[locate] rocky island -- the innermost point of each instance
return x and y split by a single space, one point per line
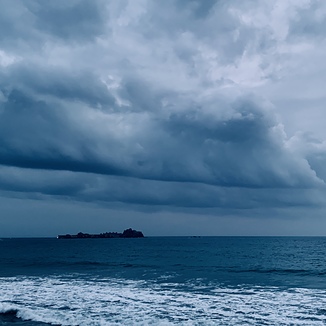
128 233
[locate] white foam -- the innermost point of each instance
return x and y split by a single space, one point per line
126 302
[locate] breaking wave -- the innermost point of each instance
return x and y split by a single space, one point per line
108 301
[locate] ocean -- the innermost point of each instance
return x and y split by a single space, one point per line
163 281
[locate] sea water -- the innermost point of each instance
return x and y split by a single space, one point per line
163 281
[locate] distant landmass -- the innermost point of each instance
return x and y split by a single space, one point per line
128 233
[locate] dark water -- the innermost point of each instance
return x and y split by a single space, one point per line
164 281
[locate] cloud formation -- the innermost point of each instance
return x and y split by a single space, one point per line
166 104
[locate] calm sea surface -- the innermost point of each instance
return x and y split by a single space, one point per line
163 281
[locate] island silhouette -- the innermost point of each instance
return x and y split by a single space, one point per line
128 233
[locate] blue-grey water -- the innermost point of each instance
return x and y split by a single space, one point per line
163 281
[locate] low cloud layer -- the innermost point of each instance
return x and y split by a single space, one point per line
167 105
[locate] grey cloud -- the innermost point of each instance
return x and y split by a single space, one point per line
201 28
156 195
192 146
73 20
34 182
199 9
31 21
12 34
58 83
152 111
32 132
140 95
313 149
310 21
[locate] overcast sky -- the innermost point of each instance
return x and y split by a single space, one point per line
174 117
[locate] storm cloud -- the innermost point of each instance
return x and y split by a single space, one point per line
172 105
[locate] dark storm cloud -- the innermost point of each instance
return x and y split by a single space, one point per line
147 104
146 193
58 83
33 133
185 147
